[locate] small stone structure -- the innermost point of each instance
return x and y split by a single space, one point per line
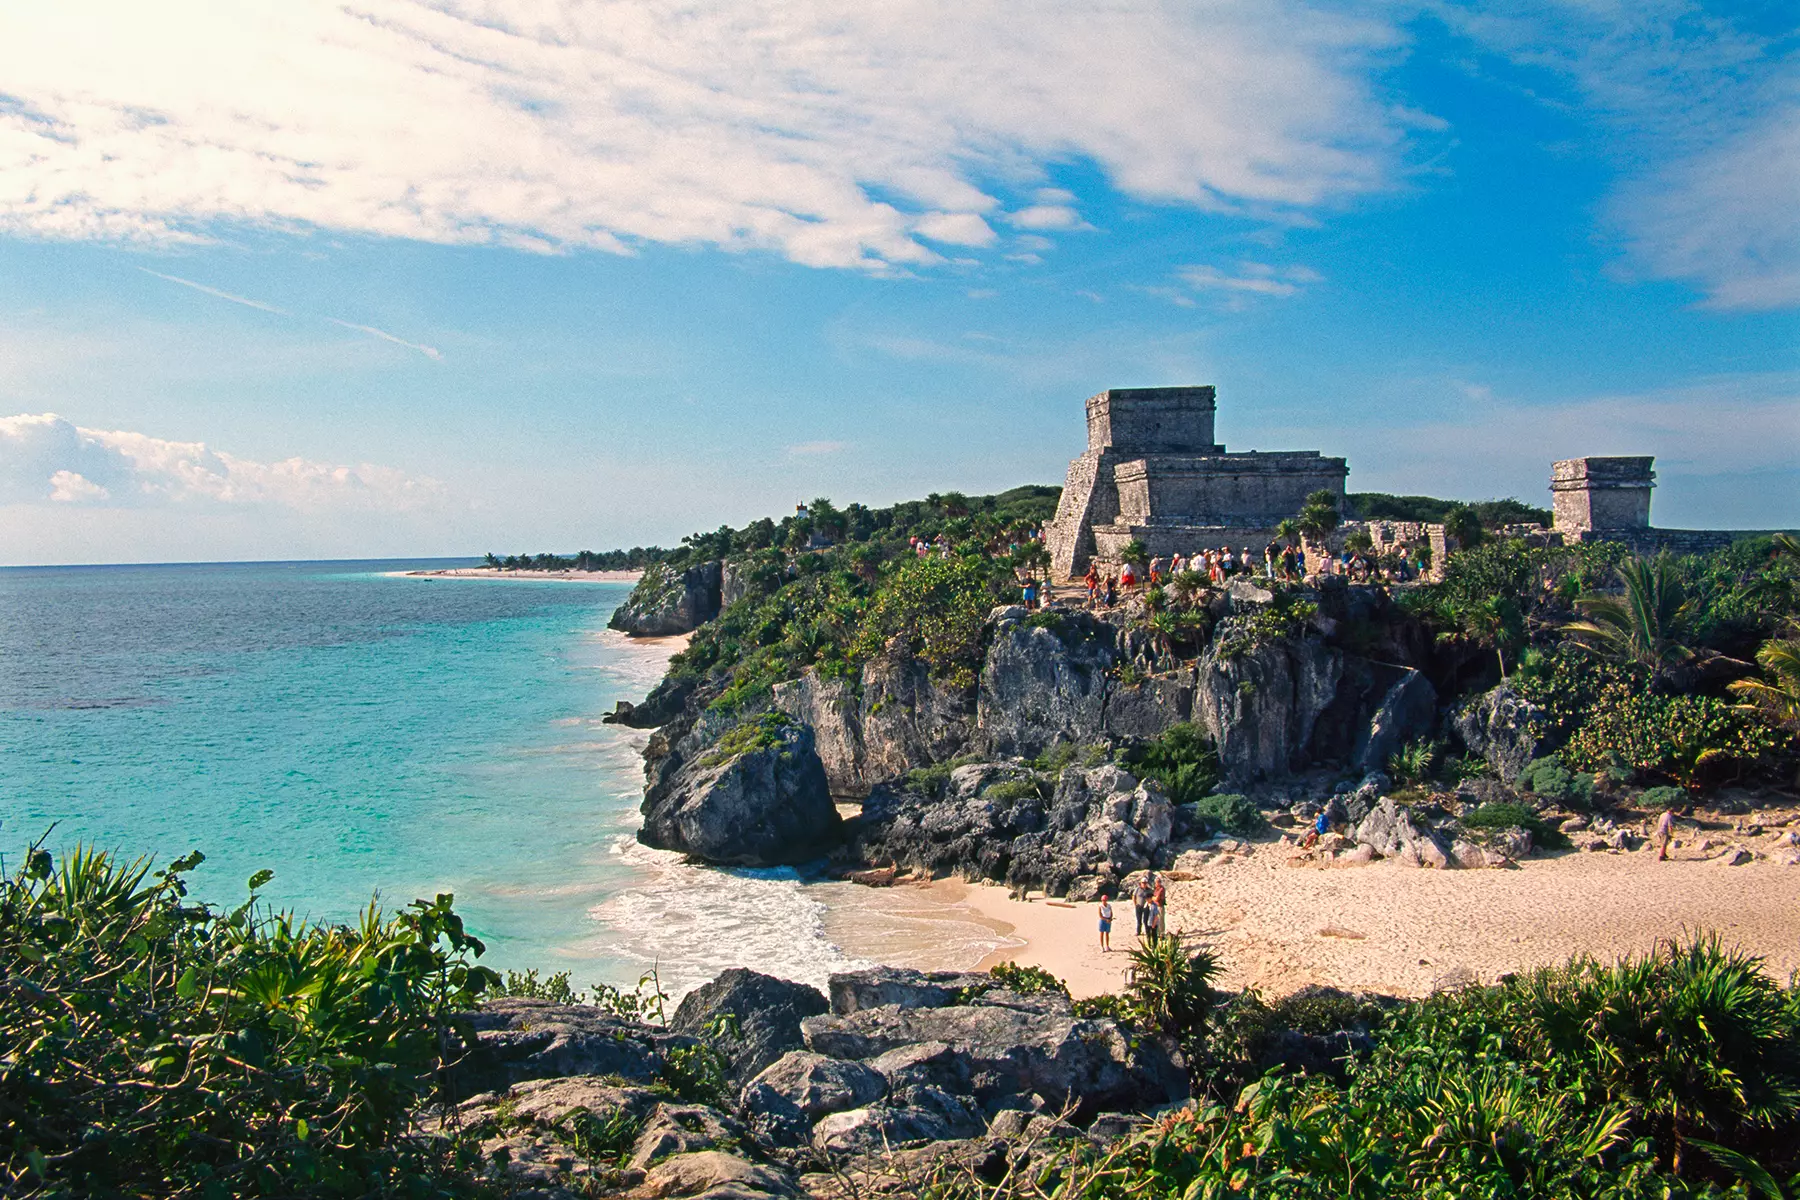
1152 473
1608 500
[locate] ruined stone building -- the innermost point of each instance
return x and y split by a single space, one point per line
1152 473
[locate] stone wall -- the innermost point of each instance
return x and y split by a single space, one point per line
1601 493
1167 420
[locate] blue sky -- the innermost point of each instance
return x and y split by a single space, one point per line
302 280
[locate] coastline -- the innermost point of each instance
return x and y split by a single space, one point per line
1406 930
492 573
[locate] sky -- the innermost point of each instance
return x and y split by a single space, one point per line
309 280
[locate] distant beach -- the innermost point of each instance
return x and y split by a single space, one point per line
493 573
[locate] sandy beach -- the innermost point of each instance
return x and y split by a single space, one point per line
1402 930
566 576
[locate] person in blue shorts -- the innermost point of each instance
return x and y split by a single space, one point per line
1105 921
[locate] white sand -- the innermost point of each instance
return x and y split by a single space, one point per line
1416 926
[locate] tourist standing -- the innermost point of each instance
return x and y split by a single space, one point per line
1140 902
1106 920
1665 832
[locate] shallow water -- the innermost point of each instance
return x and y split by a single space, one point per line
362 732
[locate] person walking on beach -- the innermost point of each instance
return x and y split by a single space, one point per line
1665 832
1106 916
1140 900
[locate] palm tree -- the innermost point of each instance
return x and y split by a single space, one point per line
1495 622
1778 698
1646 624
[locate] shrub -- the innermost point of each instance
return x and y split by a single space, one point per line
765 731
1008 790
1171 986
936 608
555 989
1027 980
1663 797
1685 738
156 1047
1182 760
1503 815
1231 812
1547 777
1414 762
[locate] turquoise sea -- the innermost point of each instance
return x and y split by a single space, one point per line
364 732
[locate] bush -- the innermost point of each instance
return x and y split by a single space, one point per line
1014 789
1182 760
1663 797
156 1047
1171 987
1547 777
936 608
1231 812
1502 815
1027 981
1690 739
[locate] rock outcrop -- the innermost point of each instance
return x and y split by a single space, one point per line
519 1039
1504 728
1407 711
993 822
1390 831
1259 698
765 1011
758 806
1042 687
666 601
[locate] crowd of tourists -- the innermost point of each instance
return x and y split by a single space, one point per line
1279 561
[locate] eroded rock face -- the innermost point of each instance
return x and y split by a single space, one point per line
1259 700
767 1012
1504 728
667 602
717 1175
1408 710
903 987
993 823
1389 830
1041 687
832 710
762 807
813 1085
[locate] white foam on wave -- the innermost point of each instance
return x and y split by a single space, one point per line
693 922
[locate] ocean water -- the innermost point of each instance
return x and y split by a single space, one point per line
368 734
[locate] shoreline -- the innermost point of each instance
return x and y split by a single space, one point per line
492 573
1401 930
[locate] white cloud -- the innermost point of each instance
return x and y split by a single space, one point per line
837 133
1701 116
1048 216
47 458
812 449
1249 279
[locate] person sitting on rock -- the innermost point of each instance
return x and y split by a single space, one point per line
1106 920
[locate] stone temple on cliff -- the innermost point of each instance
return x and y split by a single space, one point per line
1152 473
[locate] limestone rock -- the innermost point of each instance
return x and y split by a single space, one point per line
1736 856
762 807
767 1011
681 1129
1014 1052
667 602
1504 728
813 1084
853 991
1259 700
931 1116
1389 831
715 1175
832 710
519 1039
1407 710
1041 687
1150 708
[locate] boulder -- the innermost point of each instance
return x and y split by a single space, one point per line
1259 699
1736 856
715 1175
1474 856
518 1039
667 602
1504 728
681 1129
924 1064
1010 1052
758 807
767 1012
1389 831
1408 710
814 1085
929 1116
832 710
876 987
1149 708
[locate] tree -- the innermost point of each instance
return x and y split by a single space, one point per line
1135 551
1778 697
1464 524
1495 622
1319 515
1646 624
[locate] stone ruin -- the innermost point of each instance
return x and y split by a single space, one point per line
1152 473
1608 500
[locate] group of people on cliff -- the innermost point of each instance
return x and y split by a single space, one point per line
1149 901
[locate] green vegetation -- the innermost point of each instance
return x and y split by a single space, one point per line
1231 812
1547 777
1183 760
761 732
157 1047
1675 1074
635 559
1493 514
1506 815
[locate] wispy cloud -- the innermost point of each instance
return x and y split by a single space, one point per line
809 449
750 124
1243 282
213 291
384 335
428 351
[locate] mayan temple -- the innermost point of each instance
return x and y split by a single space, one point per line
1153 473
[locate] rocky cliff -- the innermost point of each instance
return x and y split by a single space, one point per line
667 602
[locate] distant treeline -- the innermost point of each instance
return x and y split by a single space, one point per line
1379 506
634 559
